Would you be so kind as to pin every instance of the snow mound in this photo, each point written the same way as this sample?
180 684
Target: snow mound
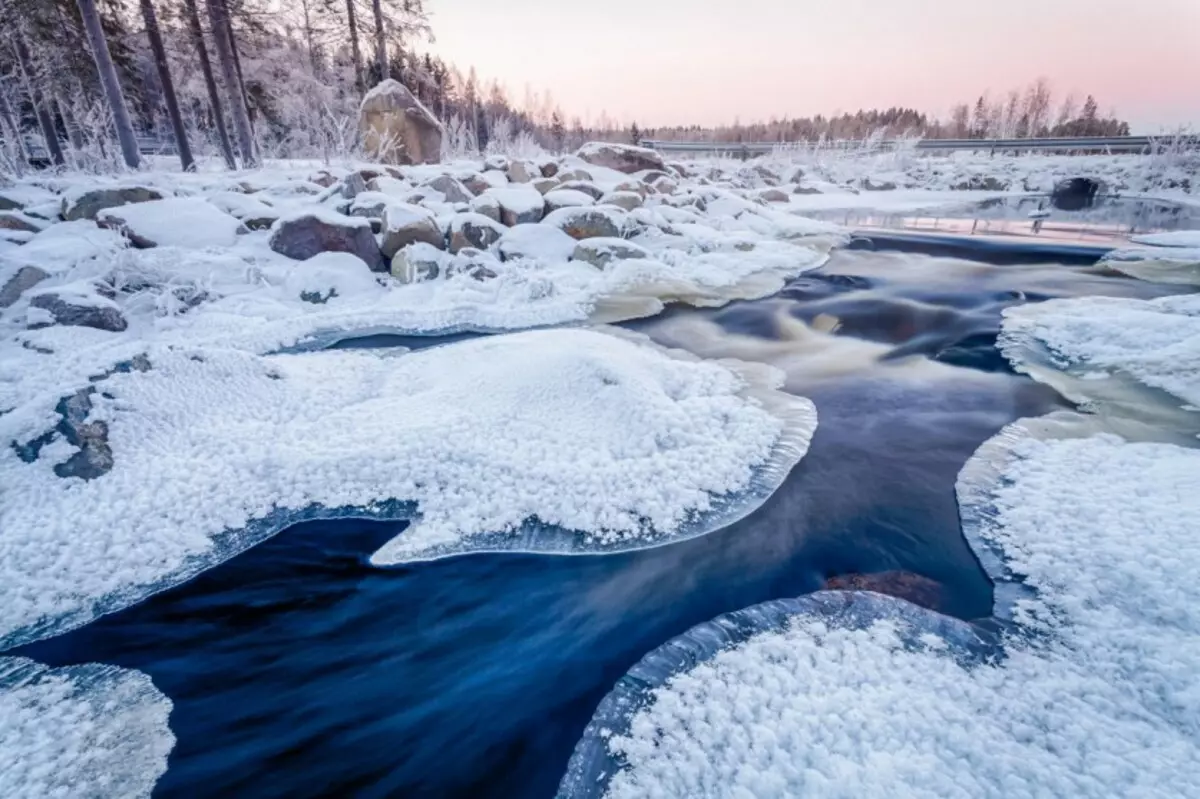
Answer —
1160 263
1093 695
1155 342
85 732
561 441
175 222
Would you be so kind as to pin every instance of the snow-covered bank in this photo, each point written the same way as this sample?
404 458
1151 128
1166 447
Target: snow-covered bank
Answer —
86 731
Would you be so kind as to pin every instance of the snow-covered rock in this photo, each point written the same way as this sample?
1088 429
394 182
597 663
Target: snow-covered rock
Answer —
625 200
405 224
453 190
175 222
567 198
600 252
519 204
586 223
621 157
85 203
523 171
473 230
396 128
540 241
331 275
303 234
418 262
79 305
21 222
253 212
544 185
20 280
486 204
585 186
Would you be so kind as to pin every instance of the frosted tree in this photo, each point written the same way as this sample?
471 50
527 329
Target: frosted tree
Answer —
192 14
218 16
355 50
108 80
154 35
381 59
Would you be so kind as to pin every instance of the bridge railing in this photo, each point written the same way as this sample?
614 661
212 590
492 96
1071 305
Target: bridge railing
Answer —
1082 144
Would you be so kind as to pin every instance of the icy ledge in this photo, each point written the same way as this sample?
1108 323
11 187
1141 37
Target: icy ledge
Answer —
85 732
1094 695
605 435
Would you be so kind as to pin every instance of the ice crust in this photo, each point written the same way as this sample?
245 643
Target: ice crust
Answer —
83 732
505 442
1093 694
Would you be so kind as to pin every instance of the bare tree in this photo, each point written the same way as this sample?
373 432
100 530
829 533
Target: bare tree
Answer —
381 60
355 51
168 85
40 109
218 17
108 79
210 82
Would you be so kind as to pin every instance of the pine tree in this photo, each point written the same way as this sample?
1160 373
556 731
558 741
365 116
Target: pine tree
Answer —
558 131
1090 117
635 135
108 79
168 85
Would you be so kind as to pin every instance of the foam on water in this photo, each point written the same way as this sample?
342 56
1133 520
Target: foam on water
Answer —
83 732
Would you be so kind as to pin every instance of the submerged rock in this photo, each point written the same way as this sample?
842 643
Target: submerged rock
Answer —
904 585
1075 194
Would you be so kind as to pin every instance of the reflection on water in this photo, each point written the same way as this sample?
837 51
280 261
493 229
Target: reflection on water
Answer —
297 669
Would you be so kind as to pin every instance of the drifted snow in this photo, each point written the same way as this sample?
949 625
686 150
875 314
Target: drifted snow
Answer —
84 732
583 430
176 222
1094 696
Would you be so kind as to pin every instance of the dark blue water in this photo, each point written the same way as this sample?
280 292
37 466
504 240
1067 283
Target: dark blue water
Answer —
298 670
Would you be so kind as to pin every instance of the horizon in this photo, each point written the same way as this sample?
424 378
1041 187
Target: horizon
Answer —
591 67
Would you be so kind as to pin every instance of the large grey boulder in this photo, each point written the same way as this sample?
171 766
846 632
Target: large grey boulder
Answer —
405 224
519 204
621 157
473 230
585 186
453 190
396 128
303 235
417 263
85 205
523 172
587 223
625 200
600 252
19 282
567 198
78 309
487 205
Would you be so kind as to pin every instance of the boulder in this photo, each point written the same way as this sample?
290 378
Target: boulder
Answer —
496 162
473 230
765 175
396 128
886 185
982 183
587 187
587 223
304 234
573 174
328 275
370 204
417 263
476 183
22 223
773 196
904 585
18 283
625 200
405 224
473 263
190 222
386 184
1075 194
806 189
322 178
87 204
600 252
487 205
523 172
542 242
79 308
453 190
549 168
567 198
679 169
351 186
664 185
254 213
621 157
544 185
519 205
494 178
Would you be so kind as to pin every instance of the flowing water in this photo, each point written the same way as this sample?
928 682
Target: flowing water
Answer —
297 669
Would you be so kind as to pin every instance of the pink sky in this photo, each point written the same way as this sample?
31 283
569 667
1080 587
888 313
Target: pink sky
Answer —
704 61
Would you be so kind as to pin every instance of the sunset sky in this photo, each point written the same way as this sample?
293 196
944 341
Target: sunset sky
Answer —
704 61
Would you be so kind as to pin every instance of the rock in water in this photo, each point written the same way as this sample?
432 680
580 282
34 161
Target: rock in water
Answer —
621 157
396 128
1075 194
304 235
905 585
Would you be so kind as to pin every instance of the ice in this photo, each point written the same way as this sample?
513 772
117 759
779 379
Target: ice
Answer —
1092 696
1175 238
84 732
1156 342
564 440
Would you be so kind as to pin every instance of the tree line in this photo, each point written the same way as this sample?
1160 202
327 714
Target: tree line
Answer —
249 79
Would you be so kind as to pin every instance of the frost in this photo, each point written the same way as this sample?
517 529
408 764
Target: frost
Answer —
85 732
1092 696
565 440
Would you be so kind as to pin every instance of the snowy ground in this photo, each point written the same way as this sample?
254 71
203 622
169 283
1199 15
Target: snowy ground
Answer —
163 405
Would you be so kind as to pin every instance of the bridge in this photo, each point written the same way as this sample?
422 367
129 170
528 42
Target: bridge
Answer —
1074 145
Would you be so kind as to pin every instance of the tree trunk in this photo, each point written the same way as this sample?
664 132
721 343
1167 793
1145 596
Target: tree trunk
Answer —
214 96
219 20
74 134
39 106
237 65
108 79
168 85
380 41
10 124
355 52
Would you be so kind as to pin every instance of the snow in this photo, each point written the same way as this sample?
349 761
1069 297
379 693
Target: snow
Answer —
1176 238
176 222
520 199
1093 696
568 198
326 215
333 277
397 215
242 206
65 245
612 438
541 242
1157 342
85 732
